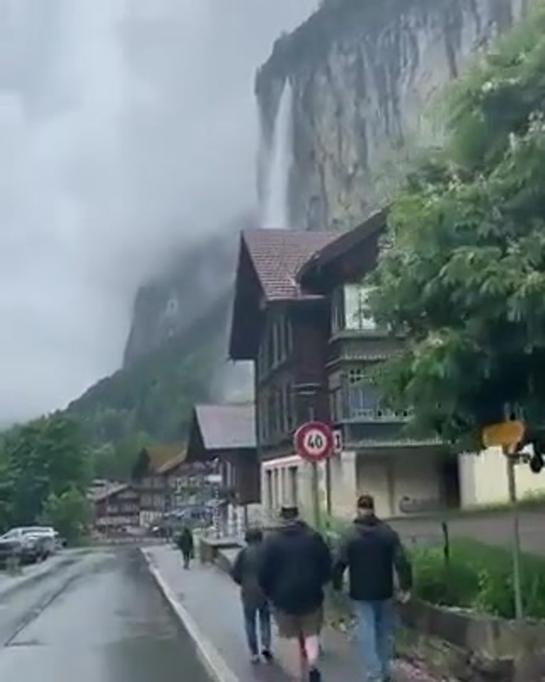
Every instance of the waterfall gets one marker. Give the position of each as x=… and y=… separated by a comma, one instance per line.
x=275, y=210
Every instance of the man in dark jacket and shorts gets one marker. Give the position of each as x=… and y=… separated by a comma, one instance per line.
x=295, y=565
x=371, y=551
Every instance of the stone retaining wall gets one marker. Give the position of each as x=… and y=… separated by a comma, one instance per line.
x=475, y=648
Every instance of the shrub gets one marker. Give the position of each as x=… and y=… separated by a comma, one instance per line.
x=452, y=584
x=479, y=576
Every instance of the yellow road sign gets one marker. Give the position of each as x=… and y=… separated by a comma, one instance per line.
x=506, y=434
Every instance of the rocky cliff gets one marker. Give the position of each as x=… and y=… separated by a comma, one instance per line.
x=166, y=307
x=363, y=73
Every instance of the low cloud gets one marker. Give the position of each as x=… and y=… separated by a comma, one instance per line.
x=127, y=129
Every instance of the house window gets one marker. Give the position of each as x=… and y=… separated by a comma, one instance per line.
x=288, y=403
x=350, y=309
x=288, y=336
x=278, y=341
x=270, y=347
x=337, y=310
x=293, y=487
x=356, y=308
x=282, y=417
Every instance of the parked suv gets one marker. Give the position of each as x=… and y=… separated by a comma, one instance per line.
x=35, y=544
x=48, y=536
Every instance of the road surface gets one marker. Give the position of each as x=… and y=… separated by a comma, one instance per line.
x=100, y=619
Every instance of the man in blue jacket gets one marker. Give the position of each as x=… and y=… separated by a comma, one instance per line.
x=372, y=551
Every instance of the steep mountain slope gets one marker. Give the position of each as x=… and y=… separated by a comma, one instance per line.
x=362, y=75
x=155, y=394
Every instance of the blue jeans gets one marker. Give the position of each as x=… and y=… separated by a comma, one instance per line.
x=376, y=629
x=251, y=616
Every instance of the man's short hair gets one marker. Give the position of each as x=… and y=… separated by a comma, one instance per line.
x=253, y=535
x=366, y=502
x=289, y=512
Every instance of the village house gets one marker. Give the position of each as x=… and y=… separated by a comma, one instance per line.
x=300, y=315
x=226, y=433
x=116, y=508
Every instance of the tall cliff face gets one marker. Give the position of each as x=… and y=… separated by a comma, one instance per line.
x=363, y=73
x=165, y=308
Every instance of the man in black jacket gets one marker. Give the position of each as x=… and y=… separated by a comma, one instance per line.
x=371, y=551
x=295, y=565
x=254, y=603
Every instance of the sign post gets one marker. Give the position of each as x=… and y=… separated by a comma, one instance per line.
x=314, y=442
x=509, y=436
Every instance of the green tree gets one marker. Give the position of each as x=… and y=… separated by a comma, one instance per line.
x=44, y=457
x=69, y=513
x=462, y=271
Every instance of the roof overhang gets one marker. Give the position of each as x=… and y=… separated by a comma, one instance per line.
x=351, y=256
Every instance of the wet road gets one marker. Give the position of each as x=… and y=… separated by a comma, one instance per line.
x=98, y=619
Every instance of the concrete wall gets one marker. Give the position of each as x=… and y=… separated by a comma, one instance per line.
x=388, y=478
x=483, y=479
x=392, y=478
x=343, y=485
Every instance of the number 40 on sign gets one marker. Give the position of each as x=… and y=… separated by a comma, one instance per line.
x=314, y=441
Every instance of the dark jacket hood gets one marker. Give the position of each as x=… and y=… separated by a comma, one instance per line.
x=364, y=523
x=293, y=528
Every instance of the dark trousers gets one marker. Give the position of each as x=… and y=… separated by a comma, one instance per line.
x=187, y=558
x=251, y=616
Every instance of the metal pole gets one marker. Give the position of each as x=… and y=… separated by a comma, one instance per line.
x=315, y=478
x=328, y=485
x=517, y=571
x=316, y=496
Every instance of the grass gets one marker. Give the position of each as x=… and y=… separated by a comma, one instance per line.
x=478, y=577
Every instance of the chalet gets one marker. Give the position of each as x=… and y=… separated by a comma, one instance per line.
x=166, y=481
x=116, y=508
x=300, y=314
x=226, y=433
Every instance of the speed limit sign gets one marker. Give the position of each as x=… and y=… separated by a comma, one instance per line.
x=314, y=441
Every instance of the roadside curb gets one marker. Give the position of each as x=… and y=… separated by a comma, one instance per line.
x=208, y=653
x=9, y=590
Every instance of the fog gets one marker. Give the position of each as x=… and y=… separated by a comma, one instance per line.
x=127, y=128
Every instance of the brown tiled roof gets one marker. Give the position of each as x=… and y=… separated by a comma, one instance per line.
x=278, y=255
x=172, y=463
x=110, y=492
x=161, y=455
x=225, y=427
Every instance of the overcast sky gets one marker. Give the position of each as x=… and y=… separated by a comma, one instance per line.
x=126, y=127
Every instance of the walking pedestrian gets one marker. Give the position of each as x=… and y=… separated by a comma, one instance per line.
x=254, y=603
x=186, y=546
x=372, y=552
x=295, y=565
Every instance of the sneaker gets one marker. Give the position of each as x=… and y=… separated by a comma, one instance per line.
x=267, y=655
x=254, y=660
x=315, y=675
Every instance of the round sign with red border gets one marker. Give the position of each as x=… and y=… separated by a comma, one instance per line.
x=314, y=441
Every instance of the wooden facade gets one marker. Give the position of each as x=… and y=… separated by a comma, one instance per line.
x=316, y=349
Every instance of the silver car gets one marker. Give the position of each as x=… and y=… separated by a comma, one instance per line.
x=37, y=543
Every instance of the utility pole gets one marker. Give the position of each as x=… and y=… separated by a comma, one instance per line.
x=517, y=570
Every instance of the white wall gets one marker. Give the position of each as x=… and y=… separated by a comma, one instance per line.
x=483, y=478
x=418, y=477
x=392, y=477
x=373, y=478
x=344, y=490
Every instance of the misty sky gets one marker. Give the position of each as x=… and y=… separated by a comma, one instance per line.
x=126, y=127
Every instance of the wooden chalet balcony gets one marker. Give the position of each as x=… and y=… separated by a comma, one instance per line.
x=359, y=403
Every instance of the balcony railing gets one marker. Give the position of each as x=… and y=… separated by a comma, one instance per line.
x=360, y=403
